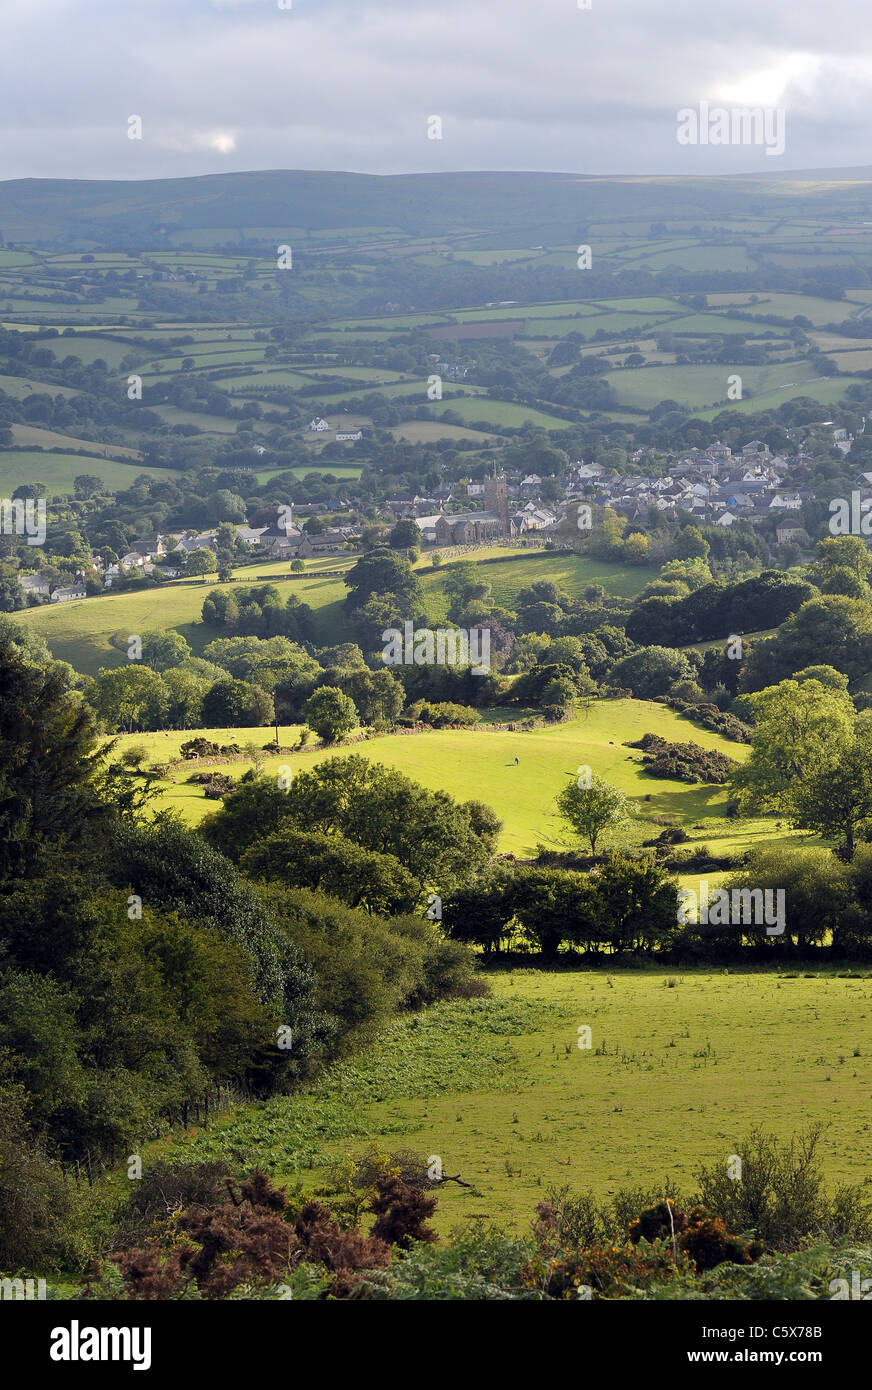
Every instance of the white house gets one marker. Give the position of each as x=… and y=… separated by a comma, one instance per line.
x=65, y=595
x=786, y=501
x=318, y=426
x=349, y=438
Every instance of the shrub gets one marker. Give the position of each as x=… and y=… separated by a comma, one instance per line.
x=683, y=762
x=781, y=1196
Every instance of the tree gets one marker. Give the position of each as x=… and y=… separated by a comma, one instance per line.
x=552, y=905
x=404, y=535
x=232, y=703
x=835, y=797
x=637, y=904
x=382, y=571
x=841, y=552
x=829, y=631
x=590, y=811
x=11, y=594
x=690, y=544
x=86, y=485
x=201, y=561
x=636, y=549
x=128, y=698
x=330, y=713
x=652, y=671
x=161, y=650
x=49, y=766
x=378, y=696
x=794, y=723
x=481, y=913
x=357, y=876
x=376, y=807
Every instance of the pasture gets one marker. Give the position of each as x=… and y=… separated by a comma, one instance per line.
x=480, y=764
x=682, y=1066
x=57, y=471
x=79, y=632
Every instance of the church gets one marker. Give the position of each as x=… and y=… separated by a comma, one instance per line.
x=469, y=528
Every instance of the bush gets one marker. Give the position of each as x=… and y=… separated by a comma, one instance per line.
x=780, y=1196
x=444, y=715
x=39, y=1220
x=683, y=762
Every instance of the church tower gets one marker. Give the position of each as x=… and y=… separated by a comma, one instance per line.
x=496, y=499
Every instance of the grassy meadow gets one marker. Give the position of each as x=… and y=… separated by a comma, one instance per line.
x=79, y=632
x=681, y=1067
x=479, y=764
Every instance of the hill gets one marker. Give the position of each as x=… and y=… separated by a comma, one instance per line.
x=254, y=205
x=79, y=632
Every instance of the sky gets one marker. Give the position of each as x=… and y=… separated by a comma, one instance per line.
x=225, y=85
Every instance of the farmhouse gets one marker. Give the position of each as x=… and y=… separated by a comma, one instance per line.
x=35, y=584
x=72, y=592
x=318, y=426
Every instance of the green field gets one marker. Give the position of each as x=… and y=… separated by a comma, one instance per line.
x=826, y=390
x=57, y=471
x=79, y=632
x=699, y=386
x=682, y=1066
x=497, y=413
x=480, y=764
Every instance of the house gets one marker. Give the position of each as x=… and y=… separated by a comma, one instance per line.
x=427, y=526
x=475, y=489
x=533, y=519
x=348, y=438
x=65, y=595
x=324, y=543
x=787, y=530
x=318, y=426
x=190, y=542
x=35, y=584
x=280, y=537
x=786, y=501
x=251, y=534
x=719, y=450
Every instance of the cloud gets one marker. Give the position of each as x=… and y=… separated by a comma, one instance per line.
x=330, y=84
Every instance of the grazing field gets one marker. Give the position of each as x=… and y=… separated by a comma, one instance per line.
x=826, y=390
x=482, y=408
x=480, y=764
x=682, y=1066
x=699, y=386
x=57, y=471
x=79, y=632
x=32, y=437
